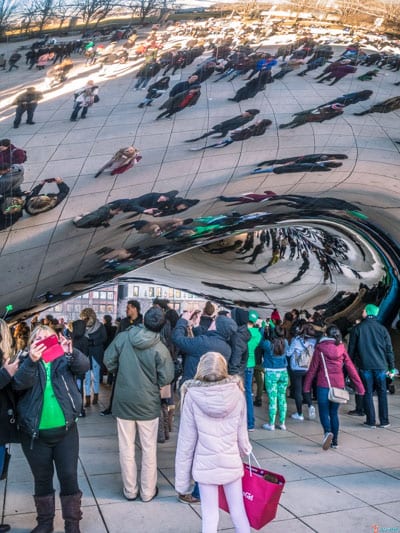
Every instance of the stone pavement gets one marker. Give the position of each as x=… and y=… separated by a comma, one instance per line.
x=348, y=490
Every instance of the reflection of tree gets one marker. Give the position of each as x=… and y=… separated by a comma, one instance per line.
x=7, y=8
x=391, y=12
x=145, y=7
x=64, y=11
x=28, y=15
x=44, y=12
x=94, y=10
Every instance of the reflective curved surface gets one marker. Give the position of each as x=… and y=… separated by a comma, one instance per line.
x=310, y=194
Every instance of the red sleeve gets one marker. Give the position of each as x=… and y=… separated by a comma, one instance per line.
x=18, y=156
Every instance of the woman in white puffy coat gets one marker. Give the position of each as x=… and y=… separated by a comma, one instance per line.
x=212, y=437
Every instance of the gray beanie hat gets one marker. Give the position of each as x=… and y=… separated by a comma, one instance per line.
x=154, y=319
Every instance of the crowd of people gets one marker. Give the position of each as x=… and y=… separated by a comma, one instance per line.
x=218, y=361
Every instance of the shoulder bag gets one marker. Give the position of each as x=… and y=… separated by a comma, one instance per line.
x=335, y=394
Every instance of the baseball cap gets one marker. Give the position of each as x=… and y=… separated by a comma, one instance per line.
x=371, y=310
x=253, y=316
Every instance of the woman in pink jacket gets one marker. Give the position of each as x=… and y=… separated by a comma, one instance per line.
x=336, y=357
x=212, y=437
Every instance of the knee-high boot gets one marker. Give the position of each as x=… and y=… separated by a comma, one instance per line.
x=71, y=512
x=45, y=508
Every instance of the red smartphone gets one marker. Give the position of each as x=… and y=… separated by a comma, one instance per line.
x=53, y=349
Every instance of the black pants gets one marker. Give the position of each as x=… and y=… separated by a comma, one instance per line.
x=54, y=448
x=297, y=389
x=21, y=108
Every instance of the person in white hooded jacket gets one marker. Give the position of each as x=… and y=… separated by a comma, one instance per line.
x=212, y=437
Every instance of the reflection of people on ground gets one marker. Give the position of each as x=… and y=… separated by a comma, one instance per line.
x=337, y=71
x=392, y=104
x=10, y=211
x=84, y=99
x=255, y=130
x=36, y=203
x=11, y=179
x=183, y=86
x=248, y=198
x=223, y=128
x=58, y=73
x=368, y=76
x=99, y=217
x=26, y=102
x=305, y=163
x=121, y=161
x=10, y=154
x=155, y=229
x=155, y=90
x=180, y=101
x=303, y=268
x=252, y=87
x=318, y=115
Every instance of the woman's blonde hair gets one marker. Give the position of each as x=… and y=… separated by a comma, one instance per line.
x=212, y=368
x=6, y=340
x=36, y=331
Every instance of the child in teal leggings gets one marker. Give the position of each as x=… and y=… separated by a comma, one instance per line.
x=276, y=378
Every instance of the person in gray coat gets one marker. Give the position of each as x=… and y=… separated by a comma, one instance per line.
x=144, y=365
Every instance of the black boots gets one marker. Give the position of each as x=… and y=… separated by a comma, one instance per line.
x=95, y=399
x=71, y=512
x=45, y=508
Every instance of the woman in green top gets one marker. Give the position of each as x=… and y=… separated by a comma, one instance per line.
x=47, y=412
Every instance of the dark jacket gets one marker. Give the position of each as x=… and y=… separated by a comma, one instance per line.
x=232, y=123
x=370, y=346
x=31, y=378
x=126, y=323
x=97, y=341
x=63, y=191
x=79, y=339
x=180, y=87
x=240, y=353
x=212, y=341
x=180, y=101
x=8, y=426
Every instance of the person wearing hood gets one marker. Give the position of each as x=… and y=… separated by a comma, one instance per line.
x=371, y=347
x=223, y=128
x=332, y=349
x=212, y=438
x=239, y=343
x=144, y=365
x=97, y=335
x=216, y=339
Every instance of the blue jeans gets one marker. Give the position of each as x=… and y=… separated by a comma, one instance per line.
x=248, y=389
x=96, y=378
x=328, y=413
x=376, y=378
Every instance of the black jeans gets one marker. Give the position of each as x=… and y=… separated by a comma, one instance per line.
x=297, y=379
x=57, y=448
x=21, y=108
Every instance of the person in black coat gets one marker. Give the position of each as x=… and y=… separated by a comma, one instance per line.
x=239, y=342
x=36, y=203
x=180, y=101
x=252, y=87
x=155, y=90
x=223, y=128
x=97, y=335
x=47, y=421
x=8, y=426
x=392, y=104
x=81, y=343
x=183, y=86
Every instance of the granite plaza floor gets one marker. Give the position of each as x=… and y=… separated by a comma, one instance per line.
x=349, y=490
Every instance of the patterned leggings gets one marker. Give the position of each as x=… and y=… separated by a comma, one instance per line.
x=276, y=384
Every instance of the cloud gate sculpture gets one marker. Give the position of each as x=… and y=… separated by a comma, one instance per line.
x=298, y=207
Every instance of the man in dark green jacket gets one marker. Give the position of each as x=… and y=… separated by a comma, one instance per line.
x=144, y=365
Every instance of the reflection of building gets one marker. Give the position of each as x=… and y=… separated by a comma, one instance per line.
x=112, y=299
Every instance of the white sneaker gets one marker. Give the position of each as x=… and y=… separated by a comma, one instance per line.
x=327, y=441
x=311, y=412
x=282, y=427
x=269, y=427
x=296, y=416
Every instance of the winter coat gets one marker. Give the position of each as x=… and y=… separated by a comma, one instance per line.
x=297, y=345
x=31, y=379
x=12, y=156
x=212, y=341
x=240, y=352
x=212, y=434
x=232, y=123
x=8, y=426
x=97, y=336
x=370, y=346
x=79, y=339
x=271, y=361
x=63, y=191
x=179, y=101
x=335, y=358
x=126, y=323
x=144, y=365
